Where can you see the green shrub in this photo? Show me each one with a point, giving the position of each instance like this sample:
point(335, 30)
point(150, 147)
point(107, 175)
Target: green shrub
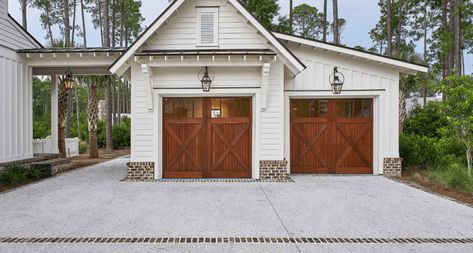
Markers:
point(425, 121)
point(121, 134)
point(454, 176)
point(101, 134)
point(16, 175)
point(41, 129)
point(418, 151)
point(82, 148)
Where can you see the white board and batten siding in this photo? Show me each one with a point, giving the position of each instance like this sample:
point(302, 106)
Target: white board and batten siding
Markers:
point(181, 33)
point(362, 79)
point(16, 117)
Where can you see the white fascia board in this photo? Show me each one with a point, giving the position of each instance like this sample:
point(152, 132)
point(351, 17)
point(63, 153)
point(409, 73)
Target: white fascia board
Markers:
point(405, 67)
point(292, 59)
point(145, 36)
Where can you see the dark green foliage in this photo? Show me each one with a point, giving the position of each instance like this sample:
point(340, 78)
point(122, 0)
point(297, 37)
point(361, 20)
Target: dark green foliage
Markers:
point(425, 121)
point(264, 10)
point(418, 151)
point(41, 129)
point(121, 134)
point(17, 175)
point(82, 148)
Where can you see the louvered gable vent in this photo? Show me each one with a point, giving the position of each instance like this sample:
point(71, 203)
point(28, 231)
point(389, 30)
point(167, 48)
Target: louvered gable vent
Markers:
point(207, 19)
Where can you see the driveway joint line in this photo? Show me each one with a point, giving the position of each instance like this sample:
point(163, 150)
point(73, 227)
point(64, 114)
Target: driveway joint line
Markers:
point(277, 214)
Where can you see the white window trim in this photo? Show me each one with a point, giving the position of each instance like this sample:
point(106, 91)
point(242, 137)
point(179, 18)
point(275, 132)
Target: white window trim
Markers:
point(199, 11)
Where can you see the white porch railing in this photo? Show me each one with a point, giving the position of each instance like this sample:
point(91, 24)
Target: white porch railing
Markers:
point(44, 146)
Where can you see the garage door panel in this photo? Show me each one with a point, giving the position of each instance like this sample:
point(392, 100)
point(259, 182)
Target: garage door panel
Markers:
point(331, 136)
point(207, 137)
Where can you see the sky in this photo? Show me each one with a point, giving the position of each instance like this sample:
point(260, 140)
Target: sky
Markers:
point(361, 16)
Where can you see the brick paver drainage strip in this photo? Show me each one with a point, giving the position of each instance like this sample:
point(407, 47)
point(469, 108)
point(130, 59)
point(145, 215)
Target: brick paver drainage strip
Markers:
point(226, 240)
point(223, 180)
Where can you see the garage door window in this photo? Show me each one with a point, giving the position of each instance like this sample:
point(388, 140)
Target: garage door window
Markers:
point(230, 108)
point(309, 108)
point(182, 108)
point(353, 108)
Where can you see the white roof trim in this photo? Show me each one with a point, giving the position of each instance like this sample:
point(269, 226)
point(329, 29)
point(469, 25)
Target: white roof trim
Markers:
point(296, 66)
point(405, 67)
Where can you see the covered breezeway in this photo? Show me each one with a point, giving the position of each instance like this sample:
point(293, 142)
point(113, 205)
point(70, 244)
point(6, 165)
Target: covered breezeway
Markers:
point(54, 62)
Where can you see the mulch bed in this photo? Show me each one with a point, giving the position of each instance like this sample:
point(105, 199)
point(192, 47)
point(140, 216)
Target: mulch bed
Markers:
point(420, 178)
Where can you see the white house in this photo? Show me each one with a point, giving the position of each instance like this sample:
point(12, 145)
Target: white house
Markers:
point(269, 110)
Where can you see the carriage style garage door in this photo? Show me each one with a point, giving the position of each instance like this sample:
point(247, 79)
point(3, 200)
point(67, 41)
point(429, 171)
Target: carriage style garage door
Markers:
point(332, 136)
point(207, 137)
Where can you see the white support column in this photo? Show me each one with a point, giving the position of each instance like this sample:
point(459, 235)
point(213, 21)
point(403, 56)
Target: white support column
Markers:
point(54, 114)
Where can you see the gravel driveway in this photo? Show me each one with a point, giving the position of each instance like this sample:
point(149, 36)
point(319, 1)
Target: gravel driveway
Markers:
point(94, 203)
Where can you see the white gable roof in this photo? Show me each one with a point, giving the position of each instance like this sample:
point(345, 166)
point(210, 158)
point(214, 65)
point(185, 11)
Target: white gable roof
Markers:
point(403, 66)
point(120, 65)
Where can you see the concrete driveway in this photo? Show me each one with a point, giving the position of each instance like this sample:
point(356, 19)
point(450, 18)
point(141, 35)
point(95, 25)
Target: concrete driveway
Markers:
point(94, 203)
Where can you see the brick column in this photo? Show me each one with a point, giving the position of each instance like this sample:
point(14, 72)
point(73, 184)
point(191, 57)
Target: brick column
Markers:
point(143, 171)
point(392, 166)
point(273, 170)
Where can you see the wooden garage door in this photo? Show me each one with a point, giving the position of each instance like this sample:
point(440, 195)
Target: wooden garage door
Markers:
point(207, 137)
point(332, 136)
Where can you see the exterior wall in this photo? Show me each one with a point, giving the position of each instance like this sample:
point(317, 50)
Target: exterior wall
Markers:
point(16, 117)
point(268, 123)
point(362, 79)
point(181, 30)
point(3, 7)
point(12, 36)
point(143, 123)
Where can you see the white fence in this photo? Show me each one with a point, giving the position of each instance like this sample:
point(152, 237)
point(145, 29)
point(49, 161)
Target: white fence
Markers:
point(43, 146)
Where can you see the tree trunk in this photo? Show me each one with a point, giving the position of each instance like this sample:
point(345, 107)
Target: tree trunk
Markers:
point(92, 120)
point(24, 9)
point(324, 36)
point(73, 35)
point(108, 118)
point(69, 114)
point(399, 28)
point(389, 28)
point(118, 102)
point(468, 157)
point(84, 32)
point(113, 23)
point(67, 27)
point(291, 21)
point(336, 35)
point(457, 50)
point(77, 113)
point(448, 65)
point(100, 9)
point(62, 115)
point(402, 104)
point(49, 24)
point(426, 75)
point(106, 23)
point(114, 102)
point(122, 22)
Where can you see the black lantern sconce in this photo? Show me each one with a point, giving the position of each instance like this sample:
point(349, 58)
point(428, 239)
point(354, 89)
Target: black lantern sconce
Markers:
point(206, 79)
point(337, 80)
point(68, 80)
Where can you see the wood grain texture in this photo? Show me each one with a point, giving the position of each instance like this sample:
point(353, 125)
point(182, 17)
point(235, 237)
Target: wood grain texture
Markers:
point(332, 143)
